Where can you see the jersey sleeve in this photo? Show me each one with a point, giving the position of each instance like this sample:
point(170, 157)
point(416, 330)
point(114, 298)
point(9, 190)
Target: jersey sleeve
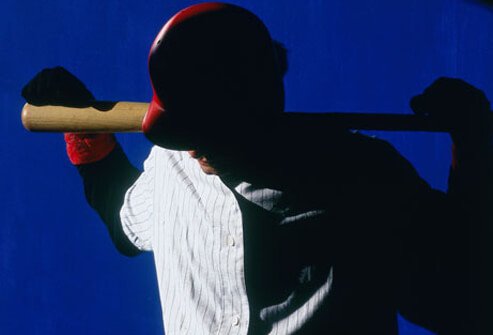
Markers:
point(137, 212)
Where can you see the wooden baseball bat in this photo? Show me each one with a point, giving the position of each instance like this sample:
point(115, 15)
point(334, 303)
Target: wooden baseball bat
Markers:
point(118, 117)
point(100, 117)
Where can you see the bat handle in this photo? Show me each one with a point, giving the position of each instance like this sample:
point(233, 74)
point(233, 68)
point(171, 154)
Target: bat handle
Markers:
point(376, 121)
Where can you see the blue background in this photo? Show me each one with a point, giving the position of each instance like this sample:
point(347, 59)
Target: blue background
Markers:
point(59, 272)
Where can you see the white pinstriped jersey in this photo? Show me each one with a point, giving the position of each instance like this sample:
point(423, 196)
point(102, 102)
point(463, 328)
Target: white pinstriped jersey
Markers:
point(193, 224)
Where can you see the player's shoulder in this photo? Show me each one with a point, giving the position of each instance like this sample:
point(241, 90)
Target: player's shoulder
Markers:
point(160, 156)
point(167, 153)
point(354, 155)
point(366, 146)
point(376, 158)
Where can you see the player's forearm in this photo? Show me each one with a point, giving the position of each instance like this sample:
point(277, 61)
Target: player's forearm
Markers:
point(471, 176)
point(448, 275)
point(105, 184)
point(471, 187)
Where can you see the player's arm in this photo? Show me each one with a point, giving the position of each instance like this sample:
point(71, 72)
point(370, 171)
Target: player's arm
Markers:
point(105, 170)
point(450, 259)
point(105, 183)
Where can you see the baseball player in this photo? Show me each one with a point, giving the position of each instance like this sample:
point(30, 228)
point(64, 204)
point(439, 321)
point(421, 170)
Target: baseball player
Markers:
point(261, 226)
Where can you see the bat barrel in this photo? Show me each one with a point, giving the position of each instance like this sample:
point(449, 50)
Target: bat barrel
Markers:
point(101, 117)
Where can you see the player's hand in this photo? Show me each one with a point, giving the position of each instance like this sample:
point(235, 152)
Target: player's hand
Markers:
point(57, 86)
point(460, 105)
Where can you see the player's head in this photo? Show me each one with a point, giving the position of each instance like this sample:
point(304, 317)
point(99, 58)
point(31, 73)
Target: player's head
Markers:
point(215, 73)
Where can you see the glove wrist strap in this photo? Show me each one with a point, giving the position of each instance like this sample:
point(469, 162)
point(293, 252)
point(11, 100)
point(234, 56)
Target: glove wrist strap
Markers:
point(88, 148)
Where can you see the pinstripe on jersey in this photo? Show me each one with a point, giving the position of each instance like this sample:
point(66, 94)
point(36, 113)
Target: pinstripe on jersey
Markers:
point(192, 223)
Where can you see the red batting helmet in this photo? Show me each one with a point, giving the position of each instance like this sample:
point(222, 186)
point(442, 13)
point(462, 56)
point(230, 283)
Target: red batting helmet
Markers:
point(214, 70)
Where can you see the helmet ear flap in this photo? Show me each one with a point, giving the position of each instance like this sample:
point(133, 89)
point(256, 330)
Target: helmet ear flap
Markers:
point(154, 112)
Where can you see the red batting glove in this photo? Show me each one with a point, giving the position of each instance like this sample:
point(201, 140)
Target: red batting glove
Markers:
point(57, 86)
point(88, 148)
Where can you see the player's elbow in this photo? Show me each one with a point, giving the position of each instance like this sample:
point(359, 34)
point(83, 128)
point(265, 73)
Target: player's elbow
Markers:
point(126, 248)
